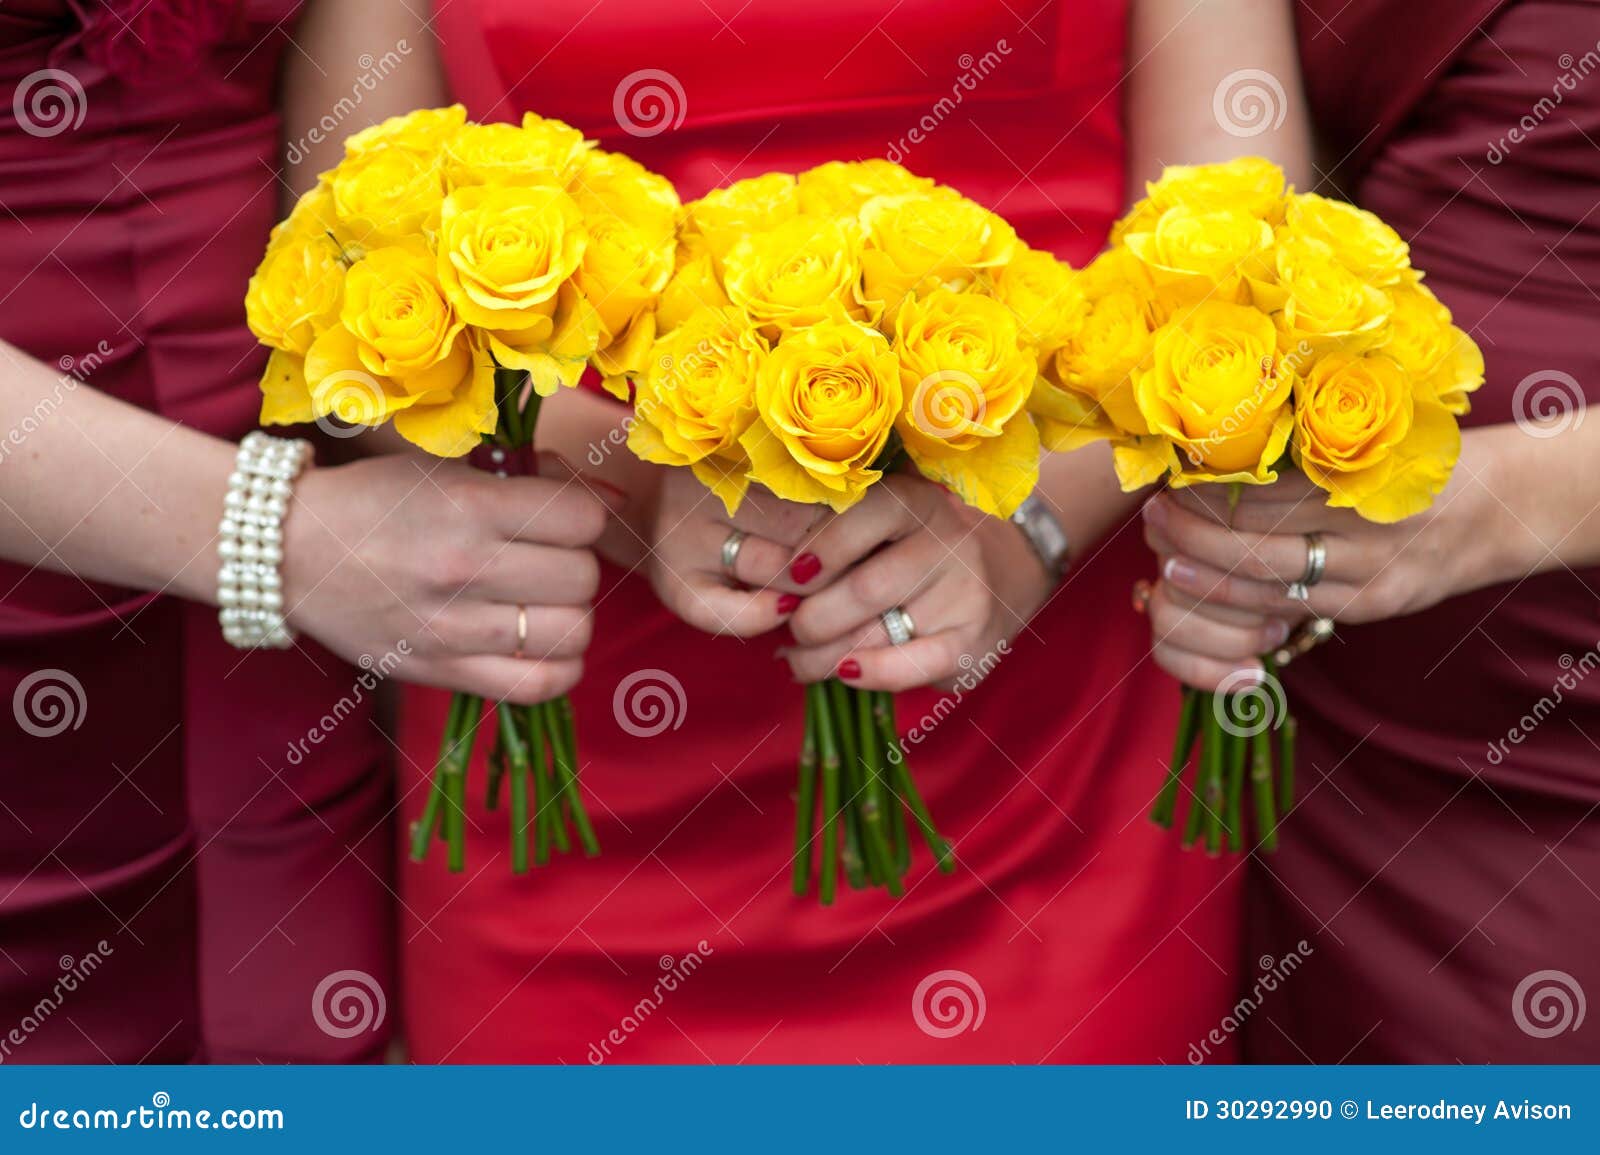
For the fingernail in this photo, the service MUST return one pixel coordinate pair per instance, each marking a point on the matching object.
(1277, 634)
(805, 567)
(788, 603)
(849, 669)
(1180, 572)
(1247, 676)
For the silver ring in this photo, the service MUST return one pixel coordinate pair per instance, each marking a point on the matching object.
(1316, 566)
(900, 626)
(731, 545)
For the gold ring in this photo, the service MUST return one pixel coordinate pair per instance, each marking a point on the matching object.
(522, 631)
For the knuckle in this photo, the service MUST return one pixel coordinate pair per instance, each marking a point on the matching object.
(873, 586)
(452, 566)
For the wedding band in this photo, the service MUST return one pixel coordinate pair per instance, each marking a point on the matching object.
(1316, 566)
(1308, 637)
(900, 626)
(522, 631)
(731, 545)
(1141, 596)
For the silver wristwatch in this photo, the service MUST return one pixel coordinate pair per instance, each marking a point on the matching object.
(1045, 534)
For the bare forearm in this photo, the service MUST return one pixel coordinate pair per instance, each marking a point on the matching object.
(1534, 498)
(96, 487)
(1187, 62)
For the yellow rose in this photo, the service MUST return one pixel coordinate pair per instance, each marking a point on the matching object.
(920, 241)
(796, 273)
(1216, 389)
(1087, 393)
(1045, 296)
(1357, 239)
(966, 376)
(387, 194)
(696, 398)
(840, 187)
(506, 259)
(827, 398)
(1192, 254)
(1247, 184)
(425, 129)
(1445, 364)
(1320, 305)
(547, 153)
(755, 205)
(295, 292)
(1362, 434)
(399, 352)
(694, 285)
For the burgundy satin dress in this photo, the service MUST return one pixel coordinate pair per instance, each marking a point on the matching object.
(161, 843)
(1081, 931)
(1447, 875)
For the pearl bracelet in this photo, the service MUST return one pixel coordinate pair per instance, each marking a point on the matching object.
(249, 586)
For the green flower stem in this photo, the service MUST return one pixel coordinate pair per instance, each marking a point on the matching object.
(1197, 810)
(829, 872)
(1238, 746)
(1166, 807)
(424, 828)
(856, 867)
(1261, 784)
(455, 815)
(805, 806)
(1286, 736)
(889, 741)
(1215, 756)
(498, 765)
(517, 754)
(919, 810)
(873, 817)
(558, 724)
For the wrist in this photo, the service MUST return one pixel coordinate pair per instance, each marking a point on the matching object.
(1023, 581)
(1498, 544)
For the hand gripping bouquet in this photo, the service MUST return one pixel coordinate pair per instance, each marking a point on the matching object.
(1236, 329)
(447, 276)
(817, 333)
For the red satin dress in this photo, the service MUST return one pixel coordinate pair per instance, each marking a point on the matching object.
(1444, 860)
(1078, 928)
(162, 844)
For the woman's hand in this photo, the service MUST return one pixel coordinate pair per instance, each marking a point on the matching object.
(441, 557)
(968, 581)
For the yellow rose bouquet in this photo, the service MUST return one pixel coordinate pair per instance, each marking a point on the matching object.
(817, 332)
(445, 276)
(1234, 329)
